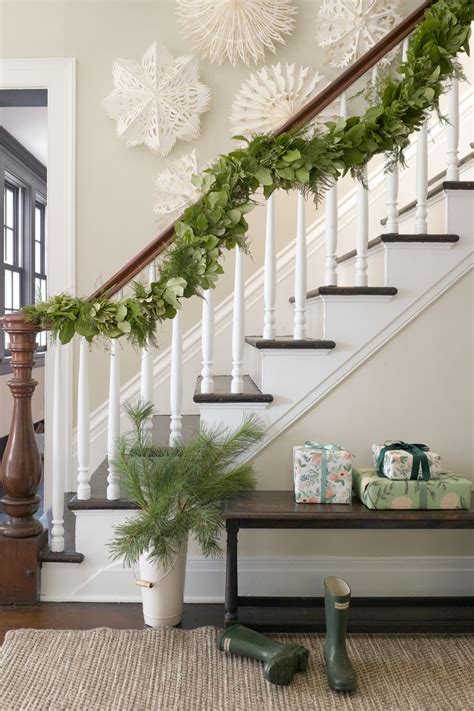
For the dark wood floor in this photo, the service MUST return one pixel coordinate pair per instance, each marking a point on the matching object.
(86, 615)
(367, 615)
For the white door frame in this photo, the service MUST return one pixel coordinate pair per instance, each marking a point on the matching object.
(58, 76)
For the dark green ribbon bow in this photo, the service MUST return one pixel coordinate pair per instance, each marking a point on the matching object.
(420, 460)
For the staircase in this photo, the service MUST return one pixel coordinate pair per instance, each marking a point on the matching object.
(300, 326)
(285, 377)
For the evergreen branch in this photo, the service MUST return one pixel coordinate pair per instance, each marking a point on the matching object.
(179, 490)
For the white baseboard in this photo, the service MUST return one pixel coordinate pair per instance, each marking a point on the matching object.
(430, 576)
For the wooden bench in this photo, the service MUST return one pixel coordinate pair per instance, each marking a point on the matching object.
(278, 510)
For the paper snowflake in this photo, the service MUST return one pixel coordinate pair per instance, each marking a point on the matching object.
(157, 101)
(349, 28)
(270, 97)
(174, 191)
(235, 29)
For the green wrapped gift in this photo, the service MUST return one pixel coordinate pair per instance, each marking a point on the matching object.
(377, 492)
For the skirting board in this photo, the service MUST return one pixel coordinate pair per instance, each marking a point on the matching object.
(431, 576)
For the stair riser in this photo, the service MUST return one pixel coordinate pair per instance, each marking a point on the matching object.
(231, 414)
(460, 214)
(415, 265)
(367, 314)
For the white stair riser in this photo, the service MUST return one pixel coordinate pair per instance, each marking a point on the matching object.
(231, 414)
(351, 320)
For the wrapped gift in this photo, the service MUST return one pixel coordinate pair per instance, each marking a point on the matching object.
(322, 474)
(448, 491)
(401, 460)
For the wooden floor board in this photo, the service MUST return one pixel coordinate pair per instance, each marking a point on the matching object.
(374, 615)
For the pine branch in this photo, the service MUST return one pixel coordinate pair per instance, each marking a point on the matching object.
(179, 490)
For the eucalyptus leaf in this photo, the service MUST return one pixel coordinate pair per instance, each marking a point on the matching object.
(264, 176)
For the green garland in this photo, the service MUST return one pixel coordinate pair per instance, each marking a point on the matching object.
(309, 159)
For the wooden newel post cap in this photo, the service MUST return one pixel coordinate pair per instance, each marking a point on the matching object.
(21, 464)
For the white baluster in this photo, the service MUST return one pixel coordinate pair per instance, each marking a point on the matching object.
(453, 132)
(330, 230)
(392, 226)
(146, 375)
(237, 384)
(176, 381)
(208, 324)
(113, 433)
(362, 218)
(405, 45)
(343, 105)
(331, 219)
(146, 370)
(58, 455)
(269, 290)
(362, 231)
(421, 214)
(83, 424)
(392, 184)
(299, 329)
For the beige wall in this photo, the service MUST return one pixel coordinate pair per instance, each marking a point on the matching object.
(114, 184)
(418, 387)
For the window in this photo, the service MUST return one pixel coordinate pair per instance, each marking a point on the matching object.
(39, 254)
(23, 214)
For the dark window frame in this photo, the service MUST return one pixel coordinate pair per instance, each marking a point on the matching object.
(18, 167)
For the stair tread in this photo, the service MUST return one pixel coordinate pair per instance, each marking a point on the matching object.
(222, 391)
(458, 185)
(395, 238)
(350, 291)
(289, 343)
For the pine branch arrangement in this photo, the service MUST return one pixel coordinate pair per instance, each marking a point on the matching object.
(179, 489)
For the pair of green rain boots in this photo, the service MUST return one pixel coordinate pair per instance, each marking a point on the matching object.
(283, 661)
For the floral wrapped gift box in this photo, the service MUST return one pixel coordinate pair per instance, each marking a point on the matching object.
(400, 460)
(377, 492)
(322, 474)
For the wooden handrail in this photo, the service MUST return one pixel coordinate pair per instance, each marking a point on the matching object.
(309, 111)
(356, 70)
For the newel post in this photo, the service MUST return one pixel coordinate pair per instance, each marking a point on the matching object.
(21, 465)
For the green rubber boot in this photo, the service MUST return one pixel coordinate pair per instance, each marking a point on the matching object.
(340, 672)
(281, 661)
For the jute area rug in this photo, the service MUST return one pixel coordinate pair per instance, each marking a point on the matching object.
(172, 670)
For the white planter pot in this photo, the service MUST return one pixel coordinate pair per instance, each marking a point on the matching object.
(163, 603)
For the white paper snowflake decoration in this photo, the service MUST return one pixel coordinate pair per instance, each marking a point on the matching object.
(158, 100)
(271, 96)
(349, 28)
(174, 191)
(236, 29)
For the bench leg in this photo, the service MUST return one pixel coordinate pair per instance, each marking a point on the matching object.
(231, 581)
